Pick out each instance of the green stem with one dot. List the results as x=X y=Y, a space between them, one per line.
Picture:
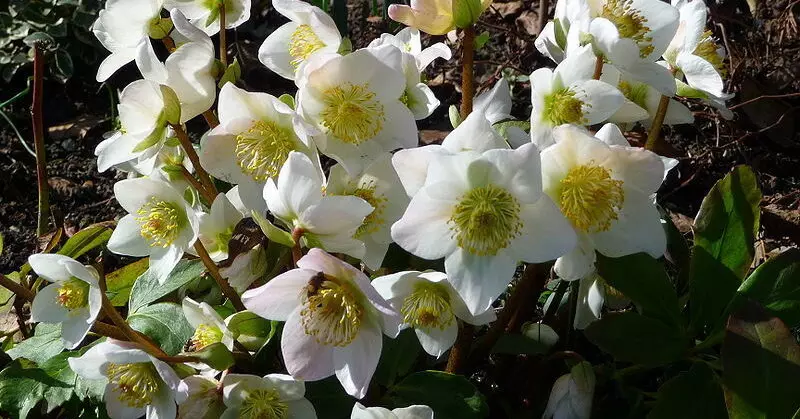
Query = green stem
x=654 y=136
x=38 y=141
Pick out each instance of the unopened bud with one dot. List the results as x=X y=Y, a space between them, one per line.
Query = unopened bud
x=466 y=12
x=172 y=105
x=160 y=28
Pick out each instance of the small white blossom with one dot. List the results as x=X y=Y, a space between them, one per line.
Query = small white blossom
x=411 y=412
x=201 y=398
x=273 y=396
x=121 y=27
x=205 y=13
x=571 y=396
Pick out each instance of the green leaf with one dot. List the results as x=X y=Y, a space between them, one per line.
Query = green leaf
x=120 y=282
x=273 y=233
x=6 y=296
x=695 y=394
x=250 y=330
x=44 y=40
x=85 y=240
x=165 y=324
x=678 y=253
x=329 y=398
x=516 y=344
x=216 y=356
x=232 y=74
x=761 y=360
x=643 y=279
x=397 y=357
x=43 y=345
x=62 y=67
x=22 y=389
x=636 y=338
x=776 y=285
x=58 y=368
x=287 y=99
x=146 y=289
x=481 y=40
x=449 y=395
x=724 y=230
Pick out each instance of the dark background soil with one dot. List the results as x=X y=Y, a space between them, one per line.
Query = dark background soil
x=764 y=60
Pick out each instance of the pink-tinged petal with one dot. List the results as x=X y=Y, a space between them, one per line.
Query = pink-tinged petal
x=279 y=297
x=355 y=363
x=305 y=359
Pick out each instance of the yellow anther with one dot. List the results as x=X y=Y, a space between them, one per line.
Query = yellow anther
x=486 y=220
x=351 y=113
x=590 y=198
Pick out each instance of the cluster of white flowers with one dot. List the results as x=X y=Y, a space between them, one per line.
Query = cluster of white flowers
x=484 y=200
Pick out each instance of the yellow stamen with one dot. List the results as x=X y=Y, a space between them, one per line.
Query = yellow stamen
x=262 y=149
x=708 y=50
x=160 y=222
x=428 y=306
x=73 y=294
x=486 y=220
x=352 y=114
x=333 y=310
x=135 y=384
x=303 y=43
x=590 y=198
x=263 y=404
x=630 y=23
x=205 y=335
x=635 y=92
x=374 y=221
x=562 y=107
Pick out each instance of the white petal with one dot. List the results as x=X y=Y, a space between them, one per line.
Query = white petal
x=45 y=307
x=638 y=229
x=414 y=412
x=49 y=266
x=356 y=362
x=288 y=387
x=305 y=359
x=118 y=409
x=126 y=239
x=479 y=280
x=591 y=296
x=163 y=261
x=437 y=341
x=114 y=62
x=424 y=230
x=601 y=100
x=74 y=329
x=279 y=297
x=545 y=234
x=700 y=74
x=578 y=263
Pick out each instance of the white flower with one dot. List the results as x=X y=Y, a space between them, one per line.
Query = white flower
x=205 y=13
x=187 y=70
x=273 y=396
x=329 y=222
x=310 y=31
x=473 y=134
x=252 y=142
x=138 y=384
x=144 y=126
x=209 y=328
x=430 y=305
x=121 y=27
x=607 y=193
x=568 y=95
x=495 y=105
x=202 y=398
x=73 y=299
x=642 y=96
x=483 y=213
x=160 y=224
x=334 y=319
x=381 y=188
x=416 y=411
x=245 y=268
x=409 y=41
x=355 y=100
x=571 y=396
x=216 y=227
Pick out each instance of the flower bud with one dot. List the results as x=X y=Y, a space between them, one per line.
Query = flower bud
x=160 y=28
x=216 y=356
x=466 y=12
x=571 y=396
x=172 y=105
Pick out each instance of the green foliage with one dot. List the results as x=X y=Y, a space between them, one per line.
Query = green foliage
x=449 y=395
x=249 y=329
x=724 y=230
x=120 y=282
x=519 y=344
x=397 y=357
x=85 y=240
x=639 y=339
x=695 y=394
x=776 y=285
x=165 y=324
x=216 y=356
x=146 y=289
x=43 y=345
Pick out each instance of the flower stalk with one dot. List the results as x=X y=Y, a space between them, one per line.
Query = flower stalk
x=598 y=67
x=17 y=289
x=297 y=252
x=197 y=185
x=205 y=179
x=654 y=136
x=468 y=69
x=223 y=44
x=38 y=139
x=212 y=268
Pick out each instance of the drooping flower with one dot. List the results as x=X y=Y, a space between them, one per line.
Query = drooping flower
x=638 y=96
x=381 y=188
x=204 y=14
x=138 y=384
x=216 y=227
x=273 y=396
x=201 y=398
x=334 y=320
x=160 y=224
x=416 y=411
x=310 y=31
x=73 y=298
x=252 y=142
x=569 y=95
x=355 y=100
x=606 y=192
x=571 y=396
x=429 y=304
x=187 y=70
x=484 y=213
x=329 y=222
x=409 y=41
x=121 y=27
x=209 y=328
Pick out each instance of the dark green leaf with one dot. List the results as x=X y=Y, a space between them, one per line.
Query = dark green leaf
x=63 y=66
x=678 y=252
x=232 y=74
x=449 y=395
x=635 y=338
x=165 y=324
x=146 y=289
x=329 y=399
x=250 y=330
x=776 y=285
x=85 y=240
x=22 y=389
x=44 y=40
x=519 y=344
x=120 y=282
x=695 y=394
x=643 y=279
x=43 y=345
x=481 y=40
x=216 y=356
x=724 y=229
x=397 y=357
x=761 y=360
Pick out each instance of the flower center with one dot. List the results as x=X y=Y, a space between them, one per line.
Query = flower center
x=263 y=403
x=428 y=306
x=73 y=294
x=135 y=384
x=374 y=220
x=332 y=312
x=262 y=149
x=303 y=43
x=160 y=222
x=485 y=220
x=635 y=92
x=630 y=23
x=205 y=335
x=708 y=50
x=352 y=113
x=590 y=198
x=562 y=107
